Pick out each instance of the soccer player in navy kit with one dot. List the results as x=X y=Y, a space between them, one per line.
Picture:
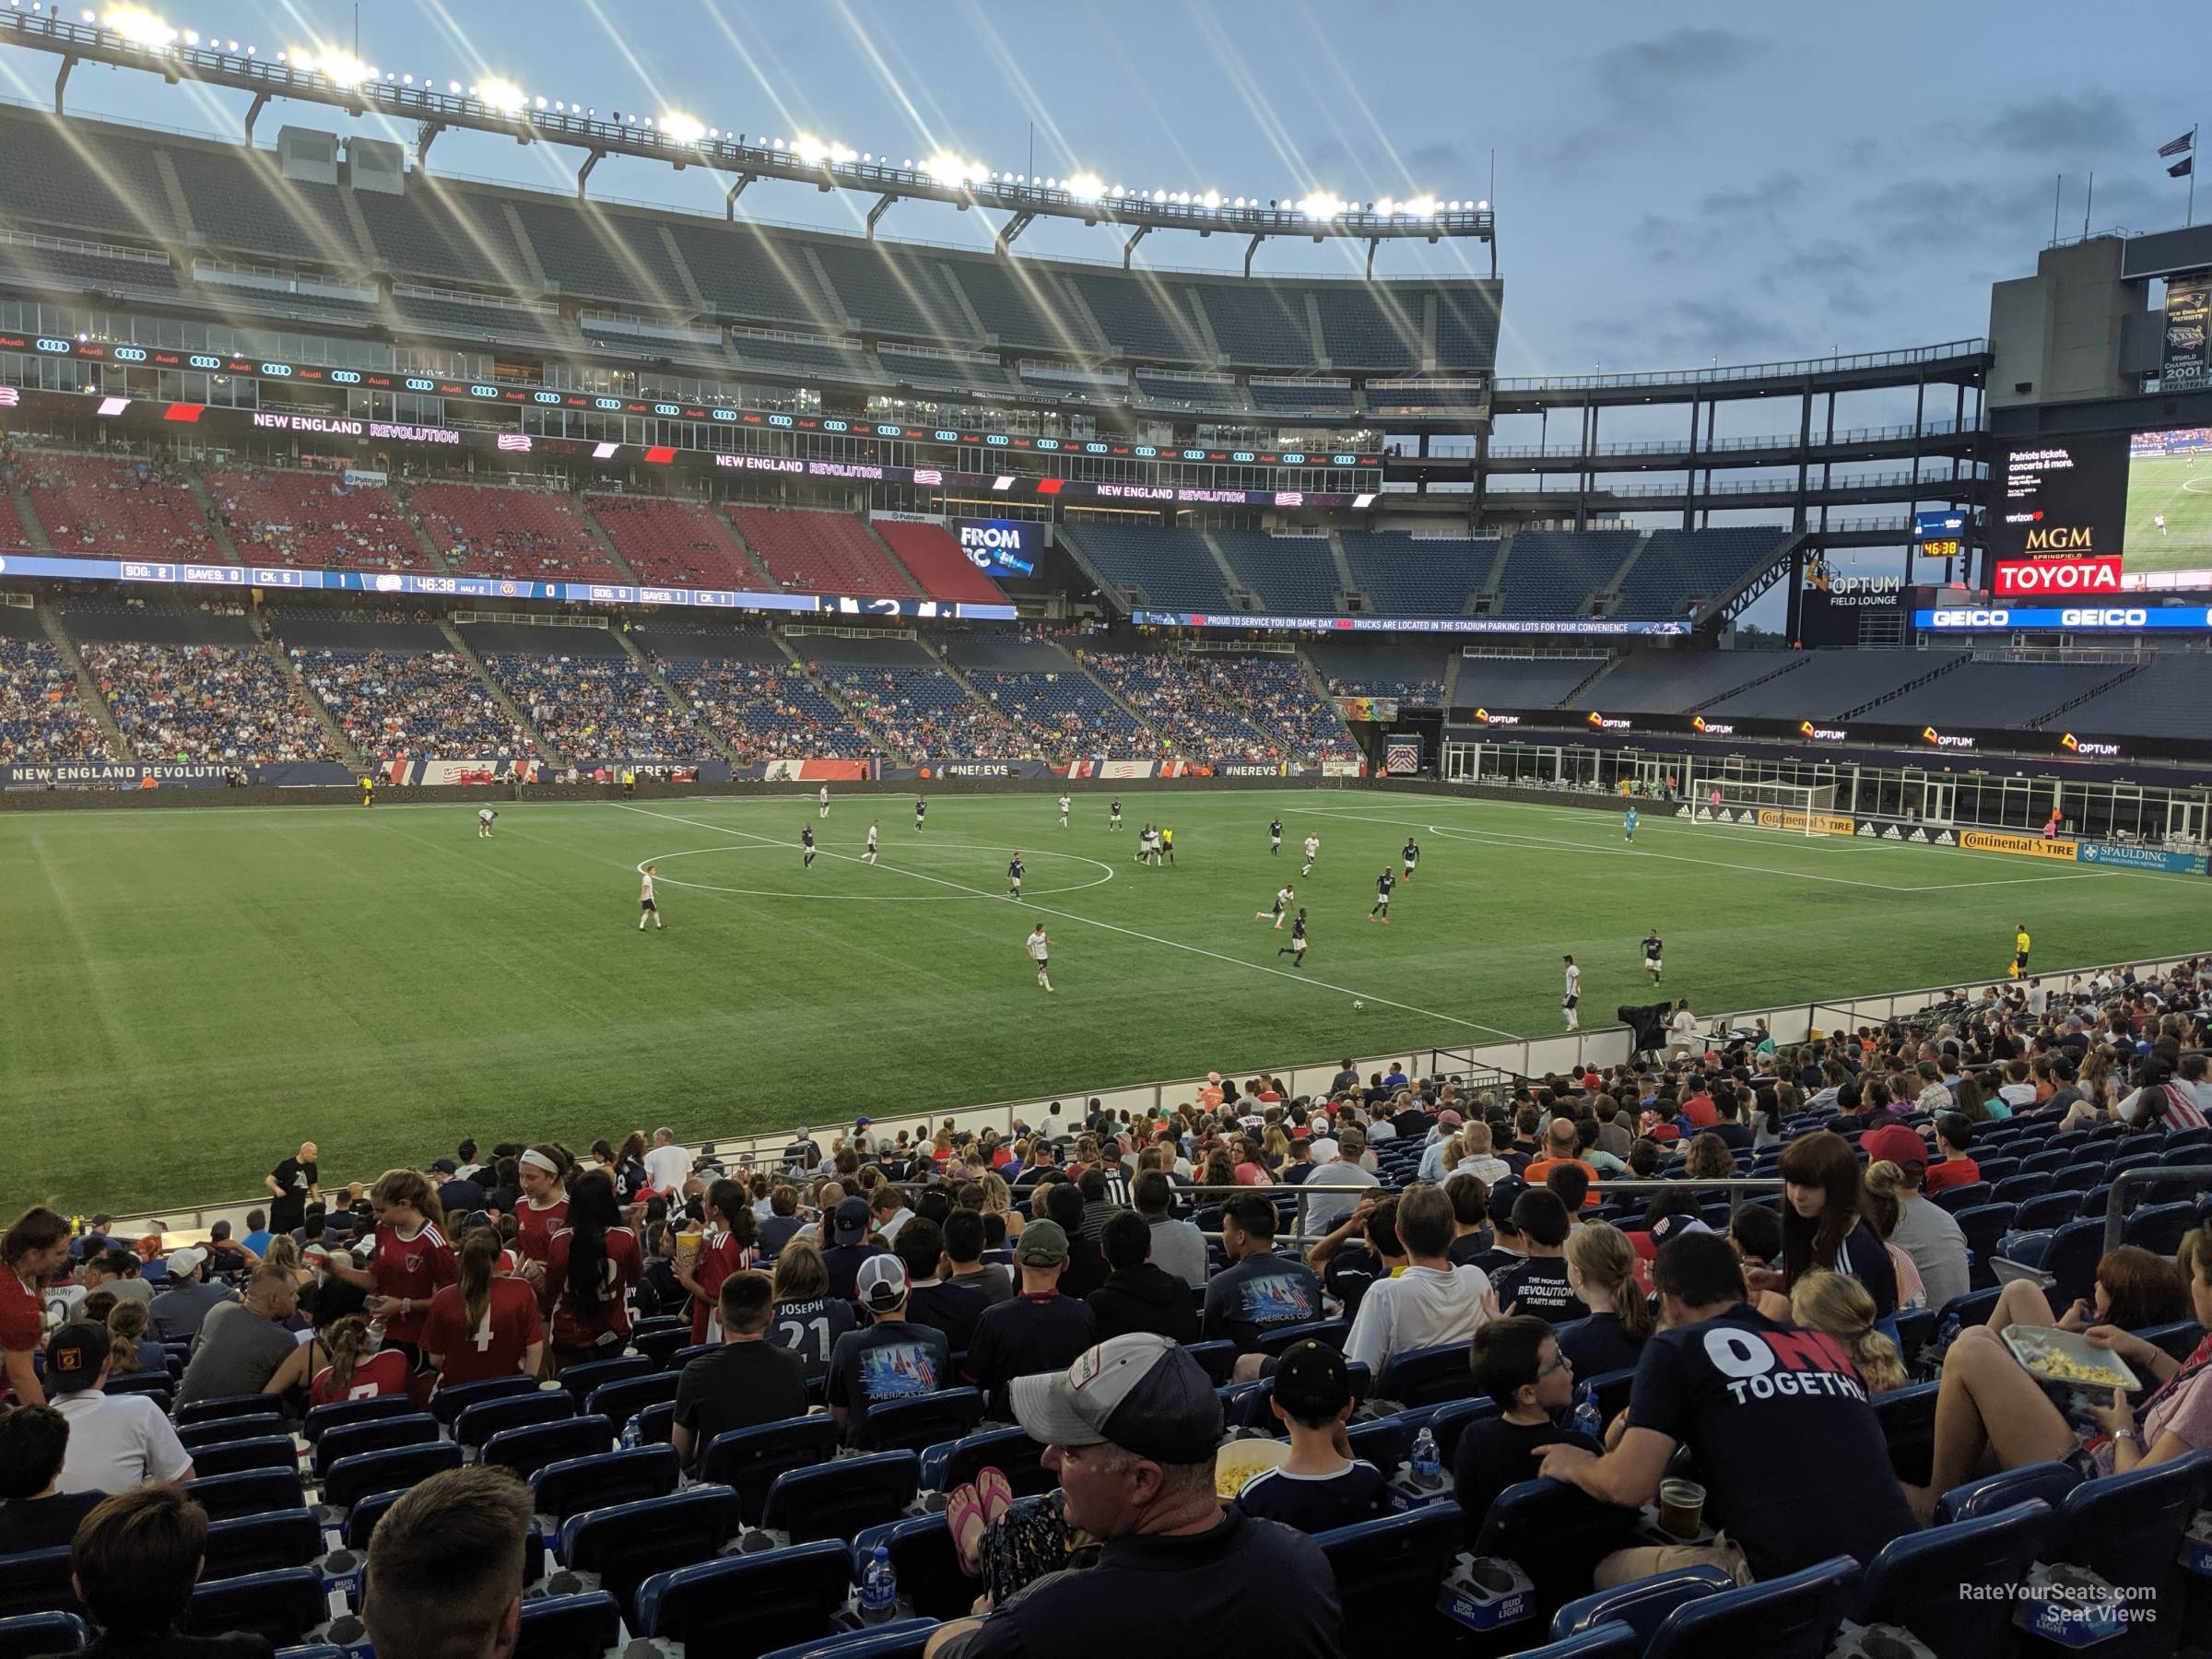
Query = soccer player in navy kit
x=1275 y=835
x=1653 y=961
x=920 y=812
x=1113 y=814
x=1014 y=877
x=1409 y=856
x=806 y=846
x=1381 y=910
x=1296 y=949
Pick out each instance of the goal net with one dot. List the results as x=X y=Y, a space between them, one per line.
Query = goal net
x=1791 y=808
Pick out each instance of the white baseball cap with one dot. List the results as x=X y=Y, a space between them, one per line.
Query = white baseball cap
x=185 y=1262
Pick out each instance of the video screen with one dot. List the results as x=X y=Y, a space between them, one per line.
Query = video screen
x=2167 y=525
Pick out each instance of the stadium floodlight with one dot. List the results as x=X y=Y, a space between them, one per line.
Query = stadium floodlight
x=1419 y=208
x=809 y=150
x=1086 y=187
x=503 y=96
x=1320 y=205
x=684 y=129
x=340 y=68
x=143 y=27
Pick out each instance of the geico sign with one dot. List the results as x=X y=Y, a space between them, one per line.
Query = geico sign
x=2024 y=576
x=1971 y=618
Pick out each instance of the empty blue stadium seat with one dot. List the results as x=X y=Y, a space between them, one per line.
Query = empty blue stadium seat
x=223 y=1430
x=1334 y=1332
x=2158 y=1228
x=568 y=1626
x=527 y=1450
x=623 y=1399
x=1643 y=1604
x=901 y=1639
x=35 y=1634
x=580 y=1380
x=1386 y=1442
x=479 y=1422
x=2178 y=1340
x=656 y=1424
x=1010 y=1451
x=283 y=1605
x=161 y=1382
x=449 y=1403
x=1615 y=1641
x=1428 y=1376
x=340 y=1413
x=387 y=1471
x=1908 y=1420
x=1794 y=1617
x=260 y=1452
x=836 y=1499
x=1984 y=1225
x=745 y=1606
x=1218 y=1359
x=1388 y=1572
x=36 y=1581
x=1963 y=1197
x=230 y=1406
x=1449 y=1421
x=249 y=1492
x=1928 y=1581
x=913 y=1424
x=1555 y=1533
x=627 y=1543
x=1994 y=1494
x=379 y=1434
x=925 y=1562
x=575 y=1483
x=750 y=1461
x=2072 y=1257
x=2127 y=1529
x=247 y=1544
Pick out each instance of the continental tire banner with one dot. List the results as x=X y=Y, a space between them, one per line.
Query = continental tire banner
x=1824 y=823
x=2019 y=846
x=2127 y=857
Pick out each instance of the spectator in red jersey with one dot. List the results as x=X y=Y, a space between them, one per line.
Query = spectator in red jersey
x=726 y=1248
x=361 y=1366
x=583 y=1283
x=1954 y=1133
x=32 y=1249
x=485 y=1324
x=542 y=1172
x=411 y=1257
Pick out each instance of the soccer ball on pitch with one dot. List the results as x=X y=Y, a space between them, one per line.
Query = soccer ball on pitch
x=1357 y=1005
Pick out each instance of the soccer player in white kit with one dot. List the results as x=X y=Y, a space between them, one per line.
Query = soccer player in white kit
x=1064 y=805
x=484 y=817
x=1312 y=852
x=1568 y=1003
x=1283 y=895
x=1039 y=947
x=870 y=853
x=825 y=800
x=646 y=906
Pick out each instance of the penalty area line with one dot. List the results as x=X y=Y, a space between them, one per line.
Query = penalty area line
x=1044 y=909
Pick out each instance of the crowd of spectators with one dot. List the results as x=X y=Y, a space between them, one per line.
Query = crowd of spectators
x=925 y=714
x=1217 y=708
x=1064 y=713
x=206 y=704
x=42 y=718
x=765 y=712
x=597 y=707
x=102 y=507
x=1065 y=1266
x=313 y=520
x=1422 y=693
x=513 y=531
x=396 y=704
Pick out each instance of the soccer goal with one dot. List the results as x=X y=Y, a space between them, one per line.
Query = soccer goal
x=1756 y=803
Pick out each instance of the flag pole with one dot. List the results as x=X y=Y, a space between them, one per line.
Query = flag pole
x=2190 y=217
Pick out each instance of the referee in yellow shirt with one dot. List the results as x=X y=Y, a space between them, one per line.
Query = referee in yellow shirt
x=2019 y=950
x=1167 y=843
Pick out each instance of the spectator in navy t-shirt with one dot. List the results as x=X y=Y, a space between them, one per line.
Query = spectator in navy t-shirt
x=1518 y=1363
x=1321 y=1485
x=1822 y=1225
x=888 y=1360
x=1263 y=1291
x=1537 y=1284
x=1740 y=1389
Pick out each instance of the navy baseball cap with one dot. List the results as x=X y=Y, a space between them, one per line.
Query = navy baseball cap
x=1509 y=1188
x=850 y=1219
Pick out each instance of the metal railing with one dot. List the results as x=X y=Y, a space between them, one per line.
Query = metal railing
x=2115 y=1211
x=1949 y=351
x=1788 y=441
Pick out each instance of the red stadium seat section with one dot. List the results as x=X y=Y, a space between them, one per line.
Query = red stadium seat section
x=491 y=530
x=108 y=509
x=678 y=544
x=314 y=521
x=821 y=553
x=929 y=551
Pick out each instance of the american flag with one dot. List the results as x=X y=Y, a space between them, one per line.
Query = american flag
x=2187 y=141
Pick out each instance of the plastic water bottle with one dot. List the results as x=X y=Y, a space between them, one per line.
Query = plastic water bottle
x=633 y=1431
x=1587 y=1419
x=1427 y=1466
x=879 y=1589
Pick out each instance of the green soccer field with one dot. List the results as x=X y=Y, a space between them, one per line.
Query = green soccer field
x=189 y=994
x=2180 y=487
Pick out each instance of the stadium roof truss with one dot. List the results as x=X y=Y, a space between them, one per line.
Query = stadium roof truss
x=432 y=111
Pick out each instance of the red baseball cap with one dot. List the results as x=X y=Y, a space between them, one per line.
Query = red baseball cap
x=1897 y=1145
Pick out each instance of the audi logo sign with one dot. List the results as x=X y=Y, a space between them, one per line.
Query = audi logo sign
x=2021 y=578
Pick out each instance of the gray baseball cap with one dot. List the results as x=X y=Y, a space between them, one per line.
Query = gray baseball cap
x=1139 y=1392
